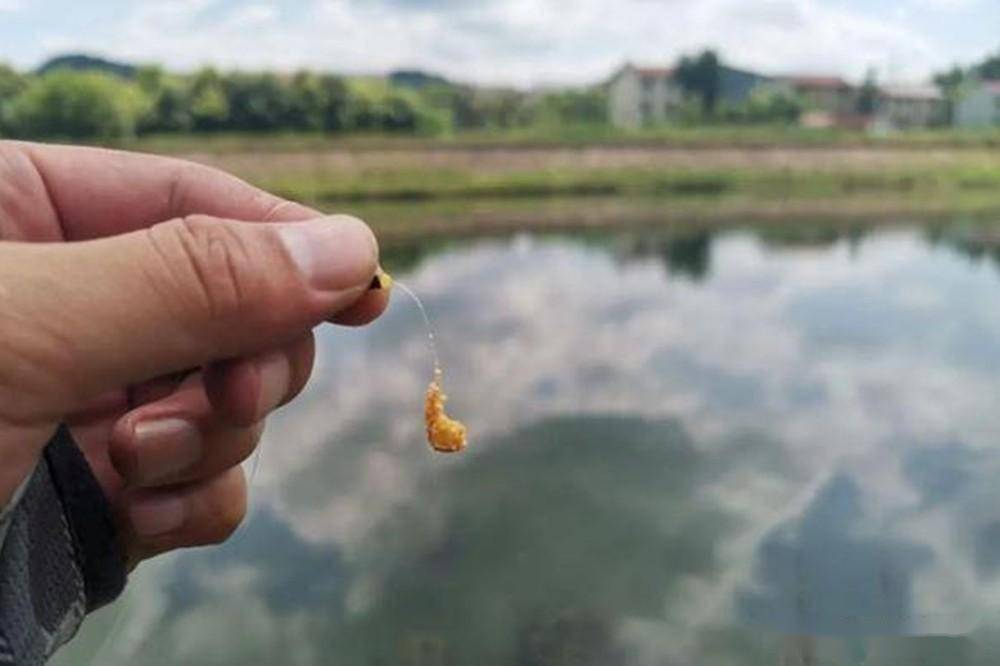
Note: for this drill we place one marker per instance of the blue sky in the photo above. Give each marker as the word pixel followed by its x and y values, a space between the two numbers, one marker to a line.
pixel 521 42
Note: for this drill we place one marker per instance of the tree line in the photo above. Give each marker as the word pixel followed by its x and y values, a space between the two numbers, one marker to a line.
pixel 92 103
pixel 84 98
pixel 953 82
pixel 77 97
pixel 106 103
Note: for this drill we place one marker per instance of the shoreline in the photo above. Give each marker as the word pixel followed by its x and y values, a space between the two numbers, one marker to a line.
pixel 676 175
pixel 395 225
pixel 695 137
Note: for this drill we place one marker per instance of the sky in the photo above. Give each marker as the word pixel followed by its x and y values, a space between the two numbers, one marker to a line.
pixel 518 42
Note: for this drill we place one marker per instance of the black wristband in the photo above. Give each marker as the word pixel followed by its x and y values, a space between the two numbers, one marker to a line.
pixel 88 514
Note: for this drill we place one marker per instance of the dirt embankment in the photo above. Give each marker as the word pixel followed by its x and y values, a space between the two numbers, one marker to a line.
pixel 505 159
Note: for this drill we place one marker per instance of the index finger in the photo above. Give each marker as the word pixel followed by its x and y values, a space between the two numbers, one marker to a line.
pixel 98 192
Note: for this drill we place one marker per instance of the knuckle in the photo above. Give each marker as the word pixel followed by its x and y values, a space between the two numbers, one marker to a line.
pixel 214 263
pixel 183 180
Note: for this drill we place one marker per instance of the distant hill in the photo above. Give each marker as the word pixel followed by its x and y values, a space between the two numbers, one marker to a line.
pixel 414 78
pixel 82 62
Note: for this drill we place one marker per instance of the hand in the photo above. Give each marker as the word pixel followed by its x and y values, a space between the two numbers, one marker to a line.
pixel 163 309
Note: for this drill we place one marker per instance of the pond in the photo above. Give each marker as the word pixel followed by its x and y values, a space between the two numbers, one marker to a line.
pixel 753 446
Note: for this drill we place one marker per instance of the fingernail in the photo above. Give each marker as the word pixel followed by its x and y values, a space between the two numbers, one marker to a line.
pixel 275 374
pixel 164 448
pixel 334 253
pixel 155 516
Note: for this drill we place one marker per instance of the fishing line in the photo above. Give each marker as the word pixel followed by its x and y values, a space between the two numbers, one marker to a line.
pixel 432 345
pixel 427 324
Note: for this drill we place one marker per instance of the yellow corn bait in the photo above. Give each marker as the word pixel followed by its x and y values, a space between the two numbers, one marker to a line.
pixel 445 434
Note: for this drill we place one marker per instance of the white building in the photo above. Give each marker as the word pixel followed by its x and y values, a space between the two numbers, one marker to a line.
pixel 980 107
pixel 639 96
pixel 905 107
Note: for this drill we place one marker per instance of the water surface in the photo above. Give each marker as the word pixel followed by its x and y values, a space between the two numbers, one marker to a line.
pixel 759 446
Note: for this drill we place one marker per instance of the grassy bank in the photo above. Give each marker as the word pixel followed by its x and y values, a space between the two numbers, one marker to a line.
pixel 675 136
pixel 402 222
pixel 332 187
pixel 758 164
pixel 463 186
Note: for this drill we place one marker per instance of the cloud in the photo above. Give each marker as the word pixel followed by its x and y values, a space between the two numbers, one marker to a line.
pixel 10 6
pixel 945 4
pixel 723 364
pixel 520 42
pixel 259 14
pixel 591 378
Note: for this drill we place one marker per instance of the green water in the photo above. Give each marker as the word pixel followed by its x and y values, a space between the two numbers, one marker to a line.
pixel 760 446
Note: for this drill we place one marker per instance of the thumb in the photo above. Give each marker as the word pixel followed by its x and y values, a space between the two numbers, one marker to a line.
pixel 83 318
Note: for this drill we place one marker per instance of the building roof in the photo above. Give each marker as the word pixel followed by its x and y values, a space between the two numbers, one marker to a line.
pixel 655 72
pixel 911 93
pixel 816 82
pixel 645 73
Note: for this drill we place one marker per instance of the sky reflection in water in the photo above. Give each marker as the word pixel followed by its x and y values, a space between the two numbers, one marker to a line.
pixel 733 449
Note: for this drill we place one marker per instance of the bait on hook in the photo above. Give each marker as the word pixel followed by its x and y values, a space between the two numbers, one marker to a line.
pixel 444 434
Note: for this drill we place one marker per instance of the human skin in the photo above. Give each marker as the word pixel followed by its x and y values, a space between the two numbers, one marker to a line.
pixel 162 309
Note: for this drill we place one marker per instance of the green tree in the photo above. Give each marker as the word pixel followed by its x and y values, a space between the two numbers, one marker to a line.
pixel 407 113
pixel 868 94
pixel 11 85
pixel 456 102
pixel 374 106
pixel 78 105
pixel 954 82
pixel 170 105
pixel 150 79
pixel 315 103
pixel 989 68
pixel 362 111
pixel 502 108
pixel 400 113
pixel 572 107
pixel 469 108
pixel 766 106
pixel 304 111
pixel 950 82
pixel 701 77
pixel 333 102
pixel 172 108
pixel 256 102
pixel 209 106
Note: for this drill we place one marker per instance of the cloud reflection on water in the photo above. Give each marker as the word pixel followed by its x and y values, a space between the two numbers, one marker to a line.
pixel 670 439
